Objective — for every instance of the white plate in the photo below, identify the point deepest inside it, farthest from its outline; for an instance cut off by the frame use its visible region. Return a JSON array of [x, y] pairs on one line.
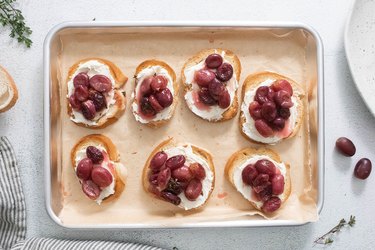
[[360, 49]]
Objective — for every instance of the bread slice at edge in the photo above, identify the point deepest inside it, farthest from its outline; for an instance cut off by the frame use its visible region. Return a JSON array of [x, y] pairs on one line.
[[13, 91], [239, 157], [150, 63], [253, 81], [233, 59], [169, 143], [113, 154], [119, 93]]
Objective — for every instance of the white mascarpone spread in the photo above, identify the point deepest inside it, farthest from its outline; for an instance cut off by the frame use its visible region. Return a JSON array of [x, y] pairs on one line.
[[166, 113], [92, 67], [212, 113], [191, 157], [246, 190], [249, 125]]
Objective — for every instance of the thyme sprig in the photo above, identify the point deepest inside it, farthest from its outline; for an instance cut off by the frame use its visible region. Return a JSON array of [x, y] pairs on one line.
[[10, 16], [326, 238]]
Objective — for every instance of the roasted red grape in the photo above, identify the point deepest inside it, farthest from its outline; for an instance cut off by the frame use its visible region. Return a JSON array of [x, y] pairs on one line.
[[101, 177], [153, 179], [263, 128], [81, 79], [224, 72], [216, 88], [260, 180], [283, 99], [249, 173], [282, 85], [94, 154], [363, 168], [271, 205], [182, 174], [88, 109], [164, 97], [154, 103], [159, 82], [163, 178], [271, 94], [278, 123], [262, 186], [74, 103], [205, 97], [265, 167], [98, 99], [100, 83], [203, 77], [197, 171], [261, 94], [84, 169], [90, 189], [146, 107], [224, 99], [145, 88], [255, 110], [277, 184], [81, 93], [172, 198], [345, 146], [265, 194], [284, 113], [176, 161], [158, 160], [193, 190], [213, 61], [269, 111]]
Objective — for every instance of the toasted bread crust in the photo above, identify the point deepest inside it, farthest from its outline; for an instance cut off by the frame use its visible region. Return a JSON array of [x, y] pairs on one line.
[[154, 62], [119, 95], [252, 81], [233, 59], [113, 155], [13, 86], [169, 143], [242, 155]]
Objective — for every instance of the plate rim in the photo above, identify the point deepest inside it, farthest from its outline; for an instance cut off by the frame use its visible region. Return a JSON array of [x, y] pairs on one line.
[[348, 55]]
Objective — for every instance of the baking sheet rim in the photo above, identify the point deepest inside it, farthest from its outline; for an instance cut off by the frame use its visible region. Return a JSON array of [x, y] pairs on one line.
[[103, 24]]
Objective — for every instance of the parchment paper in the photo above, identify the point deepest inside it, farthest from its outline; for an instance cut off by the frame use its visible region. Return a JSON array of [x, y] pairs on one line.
[[285, 51]]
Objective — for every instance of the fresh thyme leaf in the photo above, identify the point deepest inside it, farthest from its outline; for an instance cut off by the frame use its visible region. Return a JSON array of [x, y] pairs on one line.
[[328, 241], [326, 238], [351, 221], [10, 16]]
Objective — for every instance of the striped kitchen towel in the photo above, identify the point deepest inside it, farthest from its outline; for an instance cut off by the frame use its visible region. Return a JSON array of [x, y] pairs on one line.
[[55, 244], [13, 215], [12, 200]]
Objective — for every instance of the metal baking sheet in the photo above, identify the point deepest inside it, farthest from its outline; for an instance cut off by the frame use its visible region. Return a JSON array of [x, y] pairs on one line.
[[53, 115]]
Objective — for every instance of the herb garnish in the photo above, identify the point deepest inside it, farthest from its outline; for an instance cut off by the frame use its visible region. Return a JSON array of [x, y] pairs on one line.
[[10, 16], [327, 238]]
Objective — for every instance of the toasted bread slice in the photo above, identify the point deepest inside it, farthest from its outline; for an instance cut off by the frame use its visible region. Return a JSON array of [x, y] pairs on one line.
[[251, 83], [8, 91], [167, 144], [117, 173], [229, 56], [156, 121], [241, 156], [115, 110]]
